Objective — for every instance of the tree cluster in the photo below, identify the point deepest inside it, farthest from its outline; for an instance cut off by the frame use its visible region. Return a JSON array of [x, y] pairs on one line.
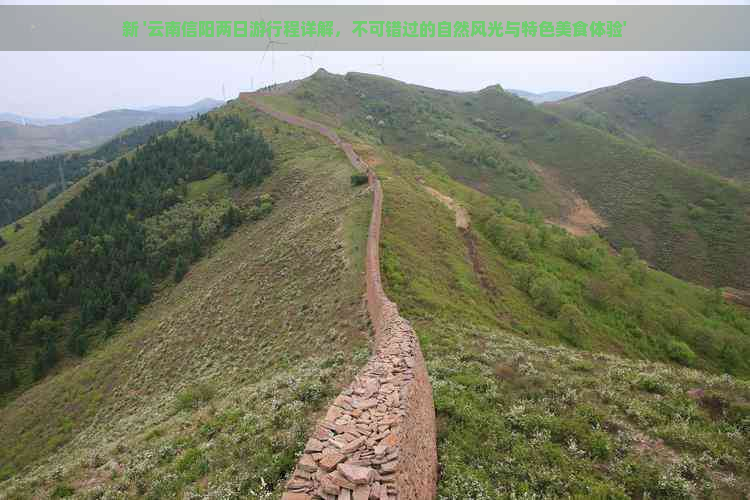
[[96, 268]]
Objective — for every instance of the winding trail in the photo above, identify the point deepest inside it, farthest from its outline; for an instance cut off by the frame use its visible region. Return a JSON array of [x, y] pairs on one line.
[[378, 438]]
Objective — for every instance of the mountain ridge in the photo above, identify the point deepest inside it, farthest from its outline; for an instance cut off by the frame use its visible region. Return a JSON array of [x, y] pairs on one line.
[[32, 141], [704, 124]]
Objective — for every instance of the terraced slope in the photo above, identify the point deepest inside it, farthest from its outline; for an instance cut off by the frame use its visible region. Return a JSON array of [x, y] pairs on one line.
[[213, 388], [706, 124]]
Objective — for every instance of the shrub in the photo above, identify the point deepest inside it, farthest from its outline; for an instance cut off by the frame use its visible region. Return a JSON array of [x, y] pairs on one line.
[[639, 272], [194, 396], [545, 294], [359, 179], [677, 320], [680, 352], [523, 276], [582, 252], [601, 292], [629, 256], [62, 491], [516, 248], [652, 384], [180, 269], [574, 323]]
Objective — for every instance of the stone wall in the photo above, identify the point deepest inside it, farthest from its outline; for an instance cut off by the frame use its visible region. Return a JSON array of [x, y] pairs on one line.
[[377, 439]]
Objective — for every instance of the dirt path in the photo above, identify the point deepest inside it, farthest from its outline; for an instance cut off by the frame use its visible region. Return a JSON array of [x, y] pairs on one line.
[[577, 216], [378, 438], [463, 223], [462, 216]]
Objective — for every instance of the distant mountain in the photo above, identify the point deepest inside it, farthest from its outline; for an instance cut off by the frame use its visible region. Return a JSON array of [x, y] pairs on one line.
[[554, 95], [34, 141], [199, 107], [706, 124], [26, 120]]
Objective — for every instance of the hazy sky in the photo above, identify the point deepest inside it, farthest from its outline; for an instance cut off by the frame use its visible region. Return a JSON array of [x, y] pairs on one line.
[[46, 84]]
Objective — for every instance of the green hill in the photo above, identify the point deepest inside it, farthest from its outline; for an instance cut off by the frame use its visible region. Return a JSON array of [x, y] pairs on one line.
[[680, 219], [706, 124], [537, 346], [27, 185], [559, 368], [213, 386]]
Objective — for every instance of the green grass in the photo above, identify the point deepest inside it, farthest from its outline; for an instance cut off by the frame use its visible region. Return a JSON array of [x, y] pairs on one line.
[[213, 187], [214, 386], [530, 406], [681, 219], [702, 123]]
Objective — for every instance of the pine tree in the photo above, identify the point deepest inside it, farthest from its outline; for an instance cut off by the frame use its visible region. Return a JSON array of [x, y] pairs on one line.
[[180, 269]]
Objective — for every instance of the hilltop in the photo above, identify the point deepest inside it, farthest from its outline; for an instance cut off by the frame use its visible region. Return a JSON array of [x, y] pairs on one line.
[[678, 218], [705, 124]]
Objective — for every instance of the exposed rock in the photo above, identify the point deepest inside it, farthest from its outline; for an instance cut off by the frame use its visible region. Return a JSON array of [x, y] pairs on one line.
[[357, 474], [331, 460]]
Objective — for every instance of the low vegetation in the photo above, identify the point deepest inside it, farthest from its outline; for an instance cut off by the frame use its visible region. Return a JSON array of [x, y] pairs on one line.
[[574, 372], [682, 220], [212, 388], [702, 123]]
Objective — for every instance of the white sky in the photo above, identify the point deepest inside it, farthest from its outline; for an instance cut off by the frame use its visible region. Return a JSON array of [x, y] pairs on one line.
[[47, 84]]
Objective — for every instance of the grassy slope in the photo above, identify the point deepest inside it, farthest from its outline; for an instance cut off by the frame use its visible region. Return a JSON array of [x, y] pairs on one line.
[[520, 414], [703, 123], [682, 220], [213, 387]]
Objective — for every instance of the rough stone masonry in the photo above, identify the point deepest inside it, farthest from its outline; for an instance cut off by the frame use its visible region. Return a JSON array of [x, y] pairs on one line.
[[377, 439]]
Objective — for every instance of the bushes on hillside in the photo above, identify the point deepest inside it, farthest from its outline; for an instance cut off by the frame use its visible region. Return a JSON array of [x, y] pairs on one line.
[[542, 288], [508, 237], [574, 324], [359, 179], [581, 251], [680, 352], [180, 269], [546, 295]]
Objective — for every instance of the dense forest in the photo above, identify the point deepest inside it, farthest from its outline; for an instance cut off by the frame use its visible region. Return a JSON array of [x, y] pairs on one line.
[[26, 185], [103, 251]]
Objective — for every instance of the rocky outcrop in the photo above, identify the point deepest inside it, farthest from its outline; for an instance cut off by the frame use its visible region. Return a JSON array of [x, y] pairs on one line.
[[377, 439]]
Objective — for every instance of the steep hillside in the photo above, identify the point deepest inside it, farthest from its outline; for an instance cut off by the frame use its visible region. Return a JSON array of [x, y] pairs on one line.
[[706, 124], [680, 219], [535, 343], [27, 185], [211, 390], [32, 141], [533, 338]]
